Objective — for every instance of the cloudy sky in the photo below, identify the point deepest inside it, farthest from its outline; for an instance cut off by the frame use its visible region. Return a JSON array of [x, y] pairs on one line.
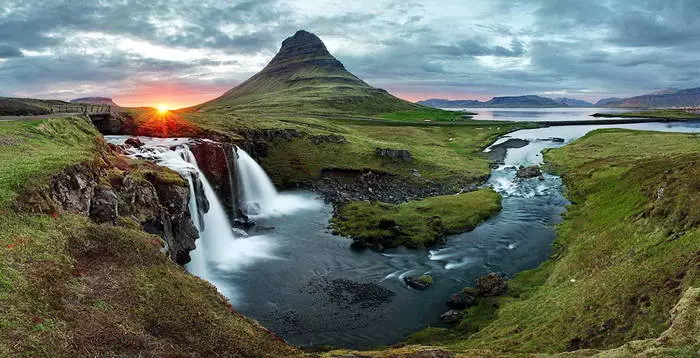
[[183, 52]]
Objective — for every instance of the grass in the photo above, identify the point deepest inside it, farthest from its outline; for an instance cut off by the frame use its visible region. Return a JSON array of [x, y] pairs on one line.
[[416, 224], [626, 252], [447, 154], [429, 114], [655, 114], [72, 288], [32, 151]]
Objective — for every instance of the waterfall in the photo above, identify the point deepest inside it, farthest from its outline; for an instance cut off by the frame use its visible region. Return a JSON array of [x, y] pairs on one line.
[[258, 194], [215, 234]]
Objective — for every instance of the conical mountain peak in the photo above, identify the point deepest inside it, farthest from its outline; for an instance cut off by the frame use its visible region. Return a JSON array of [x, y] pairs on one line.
[[305, 78], [303, 46]]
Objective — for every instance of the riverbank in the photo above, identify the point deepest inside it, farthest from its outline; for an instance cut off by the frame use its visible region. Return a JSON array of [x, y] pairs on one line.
[[624, 256], [656, 115]]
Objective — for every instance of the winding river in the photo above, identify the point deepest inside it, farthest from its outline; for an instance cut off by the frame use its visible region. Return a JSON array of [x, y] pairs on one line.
[[297, 279]]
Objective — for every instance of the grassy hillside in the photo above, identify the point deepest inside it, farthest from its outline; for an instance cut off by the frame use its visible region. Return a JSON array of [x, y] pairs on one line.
[[25, 106], [627, 251], [71, 288], [449, 154]]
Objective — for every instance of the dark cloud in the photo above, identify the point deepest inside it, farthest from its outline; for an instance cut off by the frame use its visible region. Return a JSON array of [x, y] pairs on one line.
[[619, 47]]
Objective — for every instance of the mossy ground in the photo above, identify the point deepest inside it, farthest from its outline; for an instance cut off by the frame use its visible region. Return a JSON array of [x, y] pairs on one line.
[[659, 113], [33, 151], [416, 224], [71, 288], [627, 250], [446, 154]]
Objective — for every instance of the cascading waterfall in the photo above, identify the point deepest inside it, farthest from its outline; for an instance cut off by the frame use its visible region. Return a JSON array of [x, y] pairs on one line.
[[215, 234], [258, 196], [257, 192]]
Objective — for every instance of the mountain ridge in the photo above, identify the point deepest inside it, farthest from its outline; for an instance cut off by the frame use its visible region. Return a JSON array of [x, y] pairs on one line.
[[508, 102]]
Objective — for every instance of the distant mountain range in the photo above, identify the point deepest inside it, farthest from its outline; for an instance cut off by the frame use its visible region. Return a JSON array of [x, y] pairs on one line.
[[105, 101], [664, 98], [508, 102]]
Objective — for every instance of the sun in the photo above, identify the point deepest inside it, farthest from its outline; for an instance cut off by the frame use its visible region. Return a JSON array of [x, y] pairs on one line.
[[162, 108]]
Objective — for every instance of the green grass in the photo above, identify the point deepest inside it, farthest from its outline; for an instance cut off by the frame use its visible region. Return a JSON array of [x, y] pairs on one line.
[[32, 151], [446, 154], [660, 114], [416, 224], [623, 257], [429, 114]]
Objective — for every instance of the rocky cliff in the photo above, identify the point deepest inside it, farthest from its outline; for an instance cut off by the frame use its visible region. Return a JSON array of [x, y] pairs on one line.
[[116, 190]]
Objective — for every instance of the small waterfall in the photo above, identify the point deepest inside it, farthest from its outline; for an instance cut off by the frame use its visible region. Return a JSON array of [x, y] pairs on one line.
[[258, 194]]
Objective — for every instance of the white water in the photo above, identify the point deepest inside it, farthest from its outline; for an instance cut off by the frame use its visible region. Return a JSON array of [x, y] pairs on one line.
[[219, 247], [259, 197]]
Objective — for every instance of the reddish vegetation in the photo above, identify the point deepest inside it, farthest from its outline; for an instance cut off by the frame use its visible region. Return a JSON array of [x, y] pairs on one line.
[[163, 124]]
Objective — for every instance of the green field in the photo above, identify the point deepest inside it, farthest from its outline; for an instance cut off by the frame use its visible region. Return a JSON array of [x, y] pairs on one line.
[[654, 114], [625, 254]]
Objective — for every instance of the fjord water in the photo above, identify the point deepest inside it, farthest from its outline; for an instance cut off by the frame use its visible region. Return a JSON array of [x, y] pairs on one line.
[[539, 114], [309, 287]]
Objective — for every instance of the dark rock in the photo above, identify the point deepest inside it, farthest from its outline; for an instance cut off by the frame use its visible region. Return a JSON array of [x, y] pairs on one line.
[[73, 189], [491, 285], [451, 316], [429, 353], [104, 207], [347, 292], [134, 142], [529, 172], [419, 282], [463, 299], [400, 154], [216, 162], [541, 177], [498, 151], [557, 140], [328, 138]]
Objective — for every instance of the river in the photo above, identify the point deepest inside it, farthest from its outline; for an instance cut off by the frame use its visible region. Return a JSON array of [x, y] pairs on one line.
[[297, 279]]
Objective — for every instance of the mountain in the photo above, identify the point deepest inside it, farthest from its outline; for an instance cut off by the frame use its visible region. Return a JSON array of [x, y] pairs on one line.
[[95, 100], [667, 98], [305, 78], [502, 102], [608, 101], [573, 102]]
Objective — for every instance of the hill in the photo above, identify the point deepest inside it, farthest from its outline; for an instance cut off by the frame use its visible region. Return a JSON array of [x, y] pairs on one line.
[[105, 101], [507, 102], [667, 98], [305, 78], [25, 106]]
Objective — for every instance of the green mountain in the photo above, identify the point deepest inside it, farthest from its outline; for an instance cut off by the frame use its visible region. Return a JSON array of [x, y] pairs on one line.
[[304, 78]]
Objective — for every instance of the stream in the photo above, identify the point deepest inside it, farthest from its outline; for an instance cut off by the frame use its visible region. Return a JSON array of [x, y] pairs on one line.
[[309, 287]]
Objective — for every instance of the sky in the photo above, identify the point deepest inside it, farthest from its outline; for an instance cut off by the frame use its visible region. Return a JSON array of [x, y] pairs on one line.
[[184, 52]]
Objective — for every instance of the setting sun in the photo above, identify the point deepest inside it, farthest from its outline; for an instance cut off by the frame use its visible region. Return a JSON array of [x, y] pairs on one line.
[[162, 108]]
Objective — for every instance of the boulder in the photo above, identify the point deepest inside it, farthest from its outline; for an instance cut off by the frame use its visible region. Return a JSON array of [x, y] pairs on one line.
[[419, 282], [134, 142], [400, 154], [491, 285], [529, 172], [451, 316], [104, 207], [462, 299]]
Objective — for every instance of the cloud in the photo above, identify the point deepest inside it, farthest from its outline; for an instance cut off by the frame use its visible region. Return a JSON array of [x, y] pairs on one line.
[[477, 48]]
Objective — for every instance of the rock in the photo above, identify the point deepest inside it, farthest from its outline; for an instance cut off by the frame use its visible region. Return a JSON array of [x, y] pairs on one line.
[[529, 172], [400, 154], [420, 282], [491, 285], [451, 316], [328, 138], [415, 173], [73, 189], [216, 162], [134, 142], [541, 177], [557, 140], [104, 207], [463, 299]]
